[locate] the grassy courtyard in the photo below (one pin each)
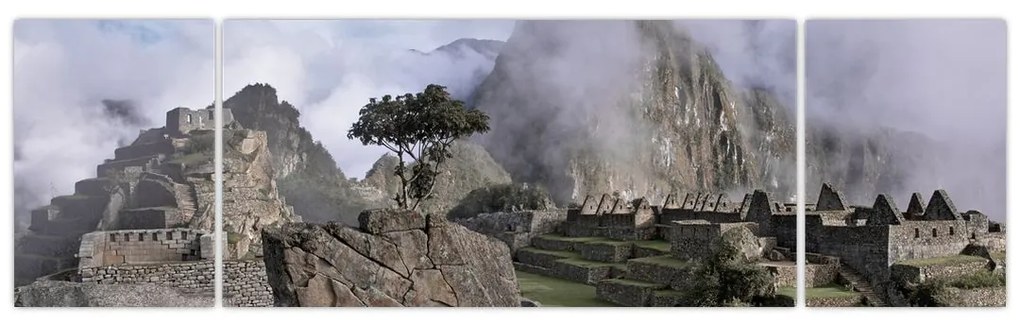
(554, 292)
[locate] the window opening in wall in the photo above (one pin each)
(184, 235)
(141, 237)
(127, 237)
(154, 237)
(951, 231)
(189, 118)
(973, 235)
(169, 235)
(917, 233)
(113, 238)
(934, 233)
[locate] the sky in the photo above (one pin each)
(64, 69)
(329, 69)
(940, 78)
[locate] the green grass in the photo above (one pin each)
(566, 238)
(790, 291)
(590, 263)
(979, 279)
(664, 260)
(563, 254)
(998, 255)
(653, 244)
(614, 243)
(633, 282)
(554, 292)
(947, 260)
(829, 291)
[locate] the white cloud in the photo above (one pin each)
(329, 69)
(63, 69)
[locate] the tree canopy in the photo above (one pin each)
(419, 129)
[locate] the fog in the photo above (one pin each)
(329, 69)
(82, 88)
(944, 80)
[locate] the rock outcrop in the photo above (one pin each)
(395, 258)
(251, 200)
(73, 294)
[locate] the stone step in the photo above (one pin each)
(568, 265)
(660, 269)
(75, 207)
(558, 242)
(542, 258)
(144, 162)
(668, 298)
(648, 248)
(144, 150)
(605, 250)
(42, 216)
(94, 187)
(626, 292)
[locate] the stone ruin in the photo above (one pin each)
(144, 219)
(639, 254)
(867, 241)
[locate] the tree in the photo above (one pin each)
(420, 128)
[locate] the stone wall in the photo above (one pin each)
(816, 275)
(784, 229)
(516, 229)
(197, 275)
(980, 297)
(864, 248)
(104, 248)
(915, 274)
(245, 284)
(927, 239)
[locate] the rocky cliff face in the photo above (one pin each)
(865, 163)
(251, 200)
(592, 107)
(305, 172)
(395, 258)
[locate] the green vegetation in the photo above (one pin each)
(563, 254)
(659, 245)
(554, 292)
(418, 128)
(829, 291)
(501, 198)
(980, 279)
(998, 255)
(565, 238)
(933, 293)
(664, 260)
(728, 280)
(590, 263)
(947, 260)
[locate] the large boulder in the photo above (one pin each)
(395, 258)
(46, 293)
